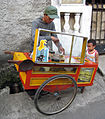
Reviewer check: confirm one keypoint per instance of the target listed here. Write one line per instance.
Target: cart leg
(31, 93)
(82, 89)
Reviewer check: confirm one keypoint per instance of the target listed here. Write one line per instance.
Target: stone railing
(73, 17)
(75, 26)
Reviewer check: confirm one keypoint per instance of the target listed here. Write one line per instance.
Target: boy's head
(91, 45)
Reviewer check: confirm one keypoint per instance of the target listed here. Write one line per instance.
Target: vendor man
(46, 22)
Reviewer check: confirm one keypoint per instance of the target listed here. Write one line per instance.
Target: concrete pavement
(95, 110)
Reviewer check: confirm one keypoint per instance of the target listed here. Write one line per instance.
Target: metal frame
(70, 34)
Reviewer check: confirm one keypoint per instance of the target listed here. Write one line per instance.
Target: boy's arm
(96, 57)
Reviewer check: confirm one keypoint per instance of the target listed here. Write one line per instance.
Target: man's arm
(56, 40)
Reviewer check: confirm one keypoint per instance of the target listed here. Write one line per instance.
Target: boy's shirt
(91, 55)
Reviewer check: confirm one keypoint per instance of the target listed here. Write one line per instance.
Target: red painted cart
(56, 74)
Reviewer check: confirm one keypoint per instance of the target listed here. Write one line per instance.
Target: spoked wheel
(55, 94)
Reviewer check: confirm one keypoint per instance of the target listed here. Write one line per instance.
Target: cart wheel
(60, 91)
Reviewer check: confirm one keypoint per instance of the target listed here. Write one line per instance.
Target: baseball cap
(51, 11)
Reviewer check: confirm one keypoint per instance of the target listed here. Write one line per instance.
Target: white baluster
(67, 25)
(77, 43)
(77, 25)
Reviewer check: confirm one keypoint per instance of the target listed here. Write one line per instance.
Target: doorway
(98, 24)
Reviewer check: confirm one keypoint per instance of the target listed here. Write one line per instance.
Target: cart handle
(9, 52)
(14, 61)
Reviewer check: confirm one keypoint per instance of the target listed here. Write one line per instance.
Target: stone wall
(16, 17)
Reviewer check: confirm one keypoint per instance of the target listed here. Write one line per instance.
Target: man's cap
(51, 11)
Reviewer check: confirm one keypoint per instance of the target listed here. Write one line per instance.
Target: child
(91, 53)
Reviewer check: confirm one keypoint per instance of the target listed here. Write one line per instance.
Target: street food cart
(55, 73)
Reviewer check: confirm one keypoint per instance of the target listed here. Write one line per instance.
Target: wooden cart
(56, 74)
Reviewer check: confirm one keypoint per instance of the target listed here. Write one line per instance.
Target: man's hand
(56, 41)
(62, 50)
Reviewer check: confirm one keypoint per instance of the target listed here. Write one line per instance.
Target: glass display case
(45, 53)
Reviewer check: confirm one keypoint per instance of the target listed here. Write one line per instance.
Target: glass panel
(63, 70)
(77, 50)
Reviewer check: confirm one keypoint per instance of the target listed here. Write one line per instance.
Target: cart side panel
(37, 81)
(23, 77)
(87, 74)
(28, 77)
(19, 56)
(41, 74)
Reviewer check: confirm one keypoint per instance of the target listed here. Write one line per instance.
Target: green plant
(8, 77)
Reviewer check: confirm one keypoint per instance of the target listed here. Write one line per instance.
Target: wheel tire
(57, 96)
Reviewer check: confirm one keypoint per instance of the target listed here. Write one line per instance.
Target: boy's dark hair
(92, 41)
